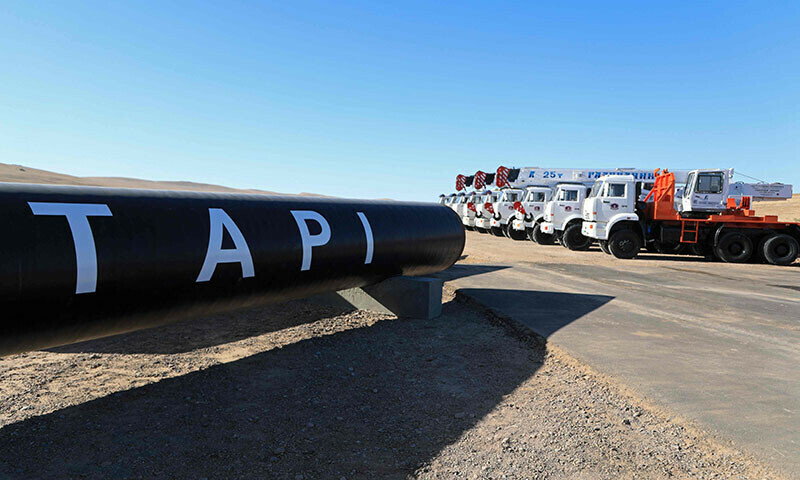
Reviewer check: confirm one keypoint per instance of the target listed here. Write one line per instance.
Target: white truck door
(567, 203)
(614, 198)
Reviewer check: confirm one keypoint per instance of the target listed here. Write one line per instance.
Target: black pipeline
(81, 262)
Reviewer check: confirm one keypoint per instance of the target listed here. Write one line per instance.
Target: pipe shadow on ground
(228, 327)
(219, 329)
(369, 402)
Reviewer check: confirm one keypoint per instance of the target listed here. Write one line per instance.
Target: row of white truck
(625, 210)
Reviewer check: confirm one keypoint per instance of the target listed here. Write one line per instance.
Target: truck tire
(516, 234)
(734, 247)
(538, 236)
(624, 244)
(497, 232)
(604, 247)
(481, 230)
(573, 239)
(781, 249)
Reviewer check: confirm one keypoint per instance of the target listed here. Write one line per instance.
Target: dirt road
(715, 342)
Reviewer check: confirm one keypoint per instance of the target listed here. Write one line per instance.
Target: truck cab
(611, 204)
(455, 203)
(705, 191)
(504, 210)
(531, 211)
(563, 216)
(466, 209)
(484, 210)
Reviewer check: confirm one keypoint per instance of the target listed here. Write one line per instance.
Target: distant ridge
(22, 174)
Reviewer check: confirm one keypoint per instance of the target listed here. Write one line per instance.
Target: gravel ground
(302, 391)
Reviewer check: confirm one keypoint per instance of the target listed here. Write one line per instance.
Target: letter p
(310, 241)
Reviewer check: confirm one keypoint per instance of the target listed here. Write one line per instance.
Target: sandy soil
(304, 391)
(788, 211)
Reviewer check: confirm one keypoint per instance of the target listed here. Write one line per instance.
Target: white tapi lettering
(85, 253)
(215, 254)
(368, 234)
(309, 241)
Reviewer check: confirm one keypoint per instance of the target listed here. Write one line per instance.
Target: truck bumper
(594, 230)
(495, 223)
(548, 228)
(518, 225)
(482, 223)
(468, 221)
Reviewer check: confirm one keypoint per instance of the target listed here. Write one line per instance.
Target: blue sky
(380, 99)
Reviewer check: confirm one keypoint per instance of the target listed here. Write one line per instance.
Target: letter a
(215, 254)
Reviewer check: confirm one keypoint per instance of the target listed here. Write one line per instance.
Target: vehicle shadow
(368, 402)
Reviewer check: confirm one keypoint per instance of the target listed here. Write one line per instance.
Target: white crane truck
(563, 217)
(712, 216)
(537, 188)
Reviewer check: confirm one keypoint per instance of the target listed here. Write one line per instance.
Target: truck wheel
(624, 244)
(481, 230)
(573, 239)
(469, 227)
(734, 248)
(497, 232)
(604, 247)
(538, 236)
(516, 234)
(781, 249)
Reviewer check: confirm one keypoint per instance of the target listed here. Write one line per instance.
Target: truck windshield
(709, 183)
(598, 185)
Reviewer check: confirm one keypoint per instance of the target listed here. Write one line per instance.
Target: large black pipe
(82, 262)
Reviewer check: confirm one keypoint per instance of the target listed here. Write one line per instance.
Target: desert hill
(23, 174)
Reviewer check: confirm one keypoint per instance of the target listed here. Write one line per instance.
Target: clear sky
(379, 99)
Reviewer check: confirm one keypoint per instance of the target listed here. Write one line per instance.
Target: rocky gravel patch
(302, 391)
